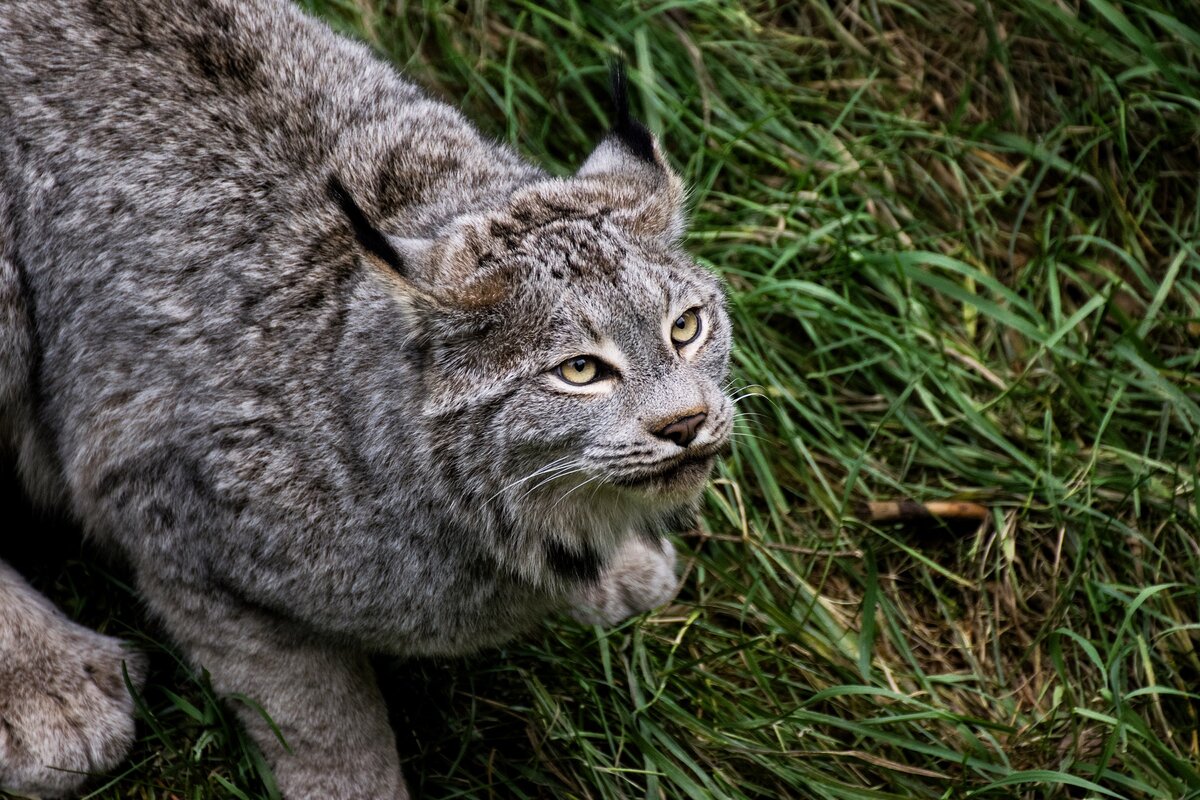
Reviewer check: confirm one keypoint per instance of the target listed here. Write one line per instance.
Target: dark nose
(682, 430)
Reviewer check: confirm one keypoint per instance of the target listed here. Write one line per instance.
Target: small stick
(909, 511)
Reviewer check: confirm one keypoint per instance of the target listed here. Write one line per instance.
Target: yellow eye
(685, 329)
(579, 370)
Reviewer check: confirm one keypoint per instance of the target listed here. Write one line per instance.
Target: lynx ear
(463, 268)
(447, 276)
(369, 237)
(631, 165)
(412, 251)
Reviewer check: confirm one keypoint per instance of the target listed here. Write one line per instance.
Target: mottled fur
(281, 331)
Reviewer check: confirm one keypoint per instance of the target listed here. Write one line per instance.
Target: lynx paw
(65, 712)
(640, 577)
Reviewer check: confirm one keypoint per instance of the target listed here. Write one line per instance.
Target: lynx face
(574, 343)
(618, 386)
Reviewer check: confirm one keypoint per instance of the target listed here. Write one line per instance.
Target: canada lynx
(330, 370)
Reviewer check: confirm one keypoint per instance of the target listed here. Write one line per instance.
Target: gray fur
(308, 444)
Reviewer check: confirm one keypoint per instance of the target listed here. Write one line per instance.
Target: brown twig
(910, 511)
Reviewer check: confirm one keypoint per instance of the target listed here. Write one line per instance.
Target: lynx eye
(579, 370)
(685, 329)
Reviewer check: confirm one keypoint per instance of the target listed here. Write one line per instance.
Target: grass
(961, 244)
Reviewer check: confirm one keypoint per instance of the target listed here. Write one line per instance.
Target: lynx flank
(331, 371)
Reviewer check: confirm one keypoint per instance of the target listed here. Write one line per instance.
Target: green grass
(961, 243)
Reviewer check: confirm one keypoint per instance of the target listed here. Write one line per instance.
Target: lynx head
(574, 353)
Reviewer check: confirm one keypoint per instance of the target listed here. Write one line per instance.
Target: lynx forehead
(331, 371)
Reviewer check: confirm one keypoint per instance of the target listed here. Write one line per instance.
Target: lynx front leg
(640, 577)
(65, 711)
(323, 698)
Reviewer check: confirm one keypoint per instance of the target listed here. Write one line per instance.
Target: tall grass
(961, 244)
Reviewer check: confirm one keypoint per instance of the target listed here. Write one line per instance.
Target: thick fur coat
(330, 370)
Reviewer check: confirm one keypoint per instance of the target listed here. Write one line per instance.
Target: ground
(960, 240)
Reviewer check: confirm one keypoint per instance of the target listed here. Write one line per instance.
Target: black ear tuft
(628, 130)
(367, 234)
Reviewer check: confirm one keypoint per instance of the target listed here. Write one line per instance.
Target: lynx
(332, 372)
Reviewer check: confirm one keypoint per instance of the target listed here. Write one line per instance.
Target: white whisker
(542, 470)
(576, 466)
(744, 395)
(744, 435)
(579, 485)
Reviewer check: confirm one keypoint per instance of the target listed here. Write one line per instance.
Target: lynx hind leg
(65, 711)
(321, 697)
(640, 577)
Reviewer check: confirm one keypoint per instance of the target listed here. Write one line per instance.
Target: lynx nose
(683, 430)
